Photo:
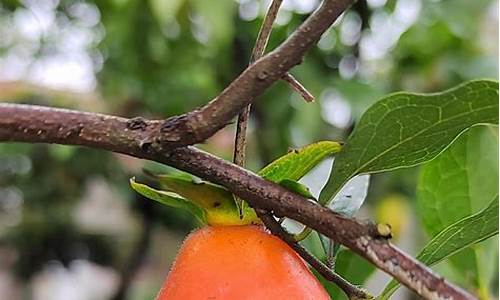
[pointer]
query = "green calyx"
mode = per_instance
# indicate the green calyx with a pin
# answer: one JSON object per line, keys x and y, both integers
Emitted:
{"x": 209, "y": 203}
{"x": 214, "y": 205}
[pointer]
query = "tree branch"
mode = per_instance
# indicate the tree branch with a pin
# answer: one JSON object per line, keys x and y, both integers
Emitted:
{"x": 298, "y": 87}
{"x": 35, "y": 124}
{"x": 265, "y": 31}
{"x": 196, "y": 126}
{"x": 257, "y": 52}
{"x": 240, "y": 139}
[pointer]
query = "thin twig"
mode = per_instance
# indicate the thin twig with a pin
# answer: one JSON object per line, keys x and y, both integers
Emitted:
{"x": 298, "y": 87}
{"x": 351, "y": 291}
{"x": 36, "y": 124}
{"x": 240, "y": 140}
{"x": 265, "y": 31}
{"x": 330, "y": 256}
{"x": 257, "y": 52}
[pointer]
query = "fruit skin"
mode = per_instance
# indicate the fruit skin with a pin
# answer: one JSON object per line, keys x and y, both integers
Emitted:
{"x": 239, "y": 262}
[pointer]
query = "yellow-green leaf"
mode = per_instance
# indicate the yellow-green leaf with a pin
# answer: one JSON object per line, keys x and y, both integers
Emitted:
{"x": 168, "y": 199}
{"x": 298, "y": 162}
{"x": 217, "y": 202}
{"x": 297, "y": 188}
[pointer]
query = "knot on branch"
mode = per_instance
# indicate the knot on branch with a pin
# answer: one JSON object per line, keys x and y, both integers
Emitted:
{"x": 175, "y": 132}
{"x": 137, "y": 123}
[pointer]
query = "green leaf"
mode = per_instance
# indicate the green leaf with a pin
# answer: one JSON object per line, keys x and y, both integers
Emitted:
{"x": 289, "y": 168}
{"x": 406, "y": 129}
{"x": 216, "y": 203}
{"x": 298, "y": 162}
{"x": 454, "y": 238}
{"x": 461, "y": 181}
{"x": 297, "y": 188}
{"x": 202, "y": 193}
{"x": 458, "y": 183}
{"x": 353, "y": 267}
{"x": 169, "y": 199}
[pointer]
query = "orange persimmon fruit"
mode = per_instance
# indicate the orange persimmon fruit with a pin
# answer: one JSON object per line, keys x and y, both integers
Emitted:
{"x": 239, "y": 262}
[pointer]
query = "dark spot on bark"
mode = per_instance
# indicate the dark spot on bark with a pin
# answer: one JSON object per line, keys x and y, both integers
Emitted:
{"x": 173, "y": 123}
{"x": 216, "y": 204}
{"x": 145, "y": 145}
{"x": 394, "y": 261}
{"x": 412, "y": 275}
{"x": 74, "y": 131}
{"x": 175, "y": 129}
{"x": 137, "y": 123}
{"x": 262, "y": 75}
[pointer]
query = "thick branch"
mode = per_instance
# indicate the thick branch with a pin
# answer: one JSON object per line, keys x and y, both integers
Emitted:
{"x": 35, "y": 124}
{"x": 200, "y": 124}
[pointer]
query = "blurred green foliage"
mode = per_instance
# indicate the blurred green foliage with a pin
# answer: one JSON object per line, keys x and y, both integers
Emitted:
{"x": 160, "y": 58}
